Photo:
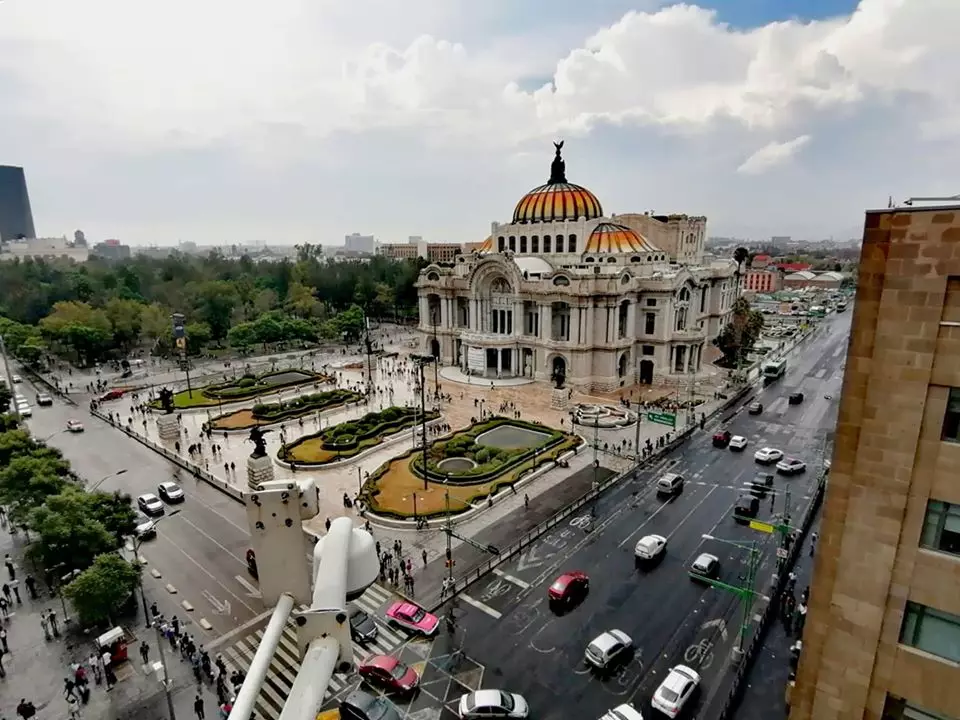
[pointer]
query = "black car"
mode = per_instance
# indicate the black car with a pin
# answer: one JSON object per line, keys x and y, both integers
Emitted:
{"x": 755, "y": 408}
{"x": 362, "y": 627}
{"x": 795, "y": 398}
{"x": 360, "y": 705}
{"x": 761, "y": 484}
{"x": 747, "y": 507}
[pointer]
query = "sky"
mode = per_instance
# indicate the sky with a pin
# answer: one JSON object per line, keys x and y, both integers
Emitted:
{"x": 295, "y": 121}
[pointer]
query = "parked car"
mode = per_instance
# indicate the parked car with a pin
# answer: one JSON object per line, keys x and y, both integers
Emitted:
{"x": 360, "y": 705}
{"x": 676, "y": 690}
{"x": 608, "y": 648}
{"x": 150, "y": 504}
{"x": 669, "y": 484}
{"x": 388, "y": 673}
{"x": 721, "y": 439}
{"x": 362, "y": 627}
{"x": 795, "y": 398}
{"x": 492, "y": 704}
{"x": 738, "y": 443}
{"x": 768, "y": 455}
{"x": 761, "y": 484}
{"x": 413, "y": 618}
{"x": 569, "y": 588}
{"x": 171, "y": 492}
{"x": 747, "y": 506}
{"x": 44, "y": 400}
{"x": 650, "y": 547}
{"x": 791, "y": 466}
{"x": 755, "y": 408}
{"x": 74, "y": 426}
{"x": 705, "y": 566}
{"x": 623, "y": 712}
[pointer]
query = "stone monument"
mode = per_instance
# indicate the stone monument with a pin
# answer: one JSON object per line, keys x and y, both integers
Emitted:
{"x": 167, "y": 426}
{"x": 259, "y": 464}
{"x": 560, "y": 396}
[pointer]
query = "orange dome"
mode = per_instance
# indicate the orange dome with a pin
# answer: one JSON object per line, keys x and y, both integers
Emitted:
{"x": 612, "y": 238}
{"x": 557, "y": 202}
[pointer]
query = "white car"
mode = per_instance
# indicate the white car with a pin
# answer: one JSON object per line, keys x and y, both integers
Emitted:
{"x": 738, "y": 442}
{"x": 791, "y": 466}
{"x": 768, "y": 455}
{"x": 74, "y": 426}
{"x": 150, "y": 504}
{"x": 675, "y": 690}
{"x": 17, "y": 379}
{"x": 623, "y": 712}
{"x": 24, "y": 409}
{"x": 146, "y": 528}
{"x": 650, "y": 547}
{"x": 608, "y": 648}
{"x": 493, "y": 704}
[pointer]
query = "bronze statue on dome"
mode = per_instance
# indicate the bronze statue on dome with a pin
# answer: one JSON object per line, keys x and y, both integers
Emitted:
{"x": 558, "y": 170}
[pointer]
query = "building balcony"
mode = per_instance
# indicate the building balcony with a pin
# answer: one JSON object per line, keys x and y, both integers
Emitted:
{"x": 689, "y": 334}
{"x": 473, "y": 337}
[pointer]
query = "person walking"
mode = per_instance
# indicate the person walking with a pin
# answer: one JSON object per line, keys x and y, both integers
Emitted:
{"x": 31, "y": 586}
{"x": 45, "y": 624}
{"x": 198, "y": 707}
{"x": 424, "y": 556}
{"x": 144, "y": 651}
{"x": 3, "y": 640}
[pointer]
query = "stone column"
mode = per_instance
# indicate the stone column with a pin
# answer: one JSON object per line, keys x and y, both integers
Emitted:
{"x": 167, "y": 427}
{"x": 259, "y": 470}
{"x": 591, "y": 311}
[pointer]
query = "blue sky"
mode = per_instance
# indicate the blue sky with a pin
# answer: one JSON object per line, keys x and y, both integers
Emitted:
{"x": 305, "y": 120}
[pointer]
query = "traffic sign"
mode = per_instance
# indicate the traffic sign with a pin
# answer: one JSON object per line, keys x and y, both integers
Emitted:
{"x": 663, "y": 418}
{"x": 782, "y": 553}
{"x": 761, "y": 526}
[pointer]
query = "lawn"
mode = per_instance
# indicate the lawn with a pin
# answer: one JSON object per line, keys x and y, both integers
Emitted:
{"x": 297, "y": 407}
{"x": 244, "y": 388}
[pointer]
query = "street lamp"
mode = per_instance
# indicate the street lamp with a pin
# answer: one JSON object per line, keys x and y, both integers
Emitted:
{"x": 102, "y": 480}
{"x": 746, "y": 593}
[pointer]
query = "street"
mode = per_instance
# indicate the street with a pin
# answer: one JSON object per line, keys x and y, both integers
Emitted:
{"x": 505, "y": 621}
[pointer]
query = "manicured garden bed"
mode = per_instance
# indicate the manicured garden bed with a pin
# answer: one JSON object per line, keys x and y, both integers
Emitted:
{"x": 296, "y": 407}
{"x": 243, "y": 388}
{"x": 351, "y": 438}
{"x": 391, "y": 489}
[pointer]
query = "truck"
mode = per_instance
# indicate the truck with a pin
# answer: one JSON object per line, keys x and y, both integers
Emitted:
{"x": 774, "y": 369}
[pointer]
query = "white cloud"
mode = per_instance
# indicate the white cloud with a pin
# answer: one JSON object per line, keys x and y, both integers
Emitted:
{"x": 278, "y": 86}
{"x": 771, "y": 155}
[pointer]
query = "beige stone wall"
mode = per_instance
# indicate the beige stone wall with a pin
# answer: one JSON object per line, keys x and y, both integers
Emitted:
{"x": 888, "y": 462}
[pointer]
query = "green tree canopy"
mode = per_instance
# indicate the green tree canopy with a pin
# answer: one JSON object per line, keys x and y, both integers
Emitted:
{"x": 738, "y": 337}
{"x": 100, "y": 592}
{"x": 28, "y": 480}
{"x": 5, "y": 397}
{"x": 70, "y": 535}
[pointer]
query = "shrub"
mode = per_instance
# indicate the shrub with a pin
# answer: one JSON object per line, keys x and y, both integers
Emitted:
{"x": 482, "y": 456}
{"x": 246, "y": 382}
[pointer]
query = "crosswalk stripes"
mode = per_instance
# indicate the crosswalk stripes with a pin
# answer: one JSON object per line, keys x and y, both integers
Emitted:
{"x": 286, "y": 660}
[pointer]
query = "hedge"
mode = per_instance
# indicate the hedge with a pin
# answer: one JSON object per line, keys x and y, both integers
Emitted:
{"x": 243, "y": 388}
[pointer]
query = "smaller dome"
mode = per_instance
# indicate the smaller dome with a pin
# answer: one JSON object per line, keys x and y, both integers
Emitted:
{"x": 487, "y": 246}
{"x": 609, "y": 237}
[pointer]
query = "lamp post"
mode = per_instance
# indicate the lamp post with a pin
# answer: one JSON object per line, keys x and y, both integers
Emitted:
{"x": 746, "y": 593}
{"x": 137, "y": 542}
{"x": 415, "y": 518}
{"x": 102, "y": 480}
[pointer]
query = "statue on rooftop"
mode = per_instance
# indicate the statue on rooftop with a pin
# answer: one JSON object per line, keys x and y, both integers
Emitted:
{"x": 558, "y": 170}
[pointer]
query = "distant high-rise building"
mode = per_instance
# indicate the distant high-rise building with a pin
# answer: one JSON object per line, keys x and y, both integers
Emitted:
{"x": 355, "y": 242}
{"x": 16, "y": 218}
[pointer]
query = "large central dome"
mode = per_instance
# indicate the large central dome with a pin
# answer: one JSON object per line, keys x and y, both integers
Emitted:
{"x": 558, "y": 200}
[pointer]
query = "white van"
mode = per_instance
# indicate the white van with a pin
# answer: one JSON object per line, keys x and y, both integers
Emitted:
{"x": 669, "y": 484}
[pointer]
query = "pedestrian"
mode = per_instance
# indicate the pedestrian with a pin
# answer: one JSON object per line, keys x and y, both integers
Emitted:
{"x": 4, "y": 607}
{"x": 6, "y": 592}
{"x": 198, "y": 707}
{"x": 327, "y": 524}
{"x": 409, "y": 566}
{"x": 3, "y": 640}
{"x": 54, "y": 627}
{"x": 94, "y": 664}
{"x": 11, "y": 566}
{"x": 424, "y": 555}
{"x": 110, "y": 677}
{"x": 31, "y": 586}
{"x": 45, "y": 624}
{"x": 68, "y": 688}
{"x": 25, "y": 709}
{"x": 144, "y": 651}
{"x": 15, "y": 586}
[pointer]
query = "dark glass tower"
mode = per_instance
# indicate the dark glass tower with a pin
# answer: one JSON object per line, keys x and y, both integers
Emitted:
{"x": 16, "y": 219}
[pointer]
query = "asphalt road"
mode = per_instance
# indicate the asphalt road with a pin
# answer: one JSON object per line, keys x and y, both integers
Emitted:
{"x": 199, "y": 551}
{"x": 506, "y": 624}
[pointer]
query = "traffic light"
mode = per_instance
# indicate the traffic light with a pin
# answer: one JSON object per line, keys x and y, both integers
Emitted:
{"x": 449, "y": 561}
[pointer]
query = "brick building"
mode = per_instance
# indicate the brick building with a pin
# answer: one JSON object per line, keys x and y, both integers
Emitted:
{"x": 766, "y": 280}
{"x": 882, "y": 637}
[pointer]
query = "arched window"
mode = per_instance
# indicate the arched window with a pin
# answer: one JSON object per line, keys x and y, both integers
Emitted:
{"x": 611, "y": 259}
{"x": 523, "y": 243}
{"x": 589, "y": 259}
{"x": 546, "y": 243}
{"x": 501, "y": 244}
{"x": 535, "y": 244}
{"x": 625, "y": 278}
{"x": 684, "y": 295}
{"x": 513, "y": 243}
{"x": 681, "y": 319}
{"x": 559, "y": 243}
{"x": 635, "y": 258}
{"x": 433, "y": 277}
{"x": 572, "y": 244}
{"x": 561, "y": 280}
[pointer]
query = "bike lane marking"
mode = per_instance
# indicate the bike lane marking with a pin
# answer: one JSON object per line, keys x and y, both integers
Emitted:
{"x": 483, "y": 607}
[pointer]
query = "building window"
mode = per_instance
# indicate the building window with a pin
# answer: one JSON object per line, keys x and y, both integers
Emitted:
{"x": 535, "y": 244}
{"x": 523, "y": 243}
{"x": 636, "y": 258}
{"x": 951, "y": 420}
{"x": 513, "y": 244}
{"x": 559, "y": 243}
{"x": 647, "y": 350}
{"x": 546, "y": 243}
{"x": 703, "y": 299}
{"x": 572, "y": 243}
{"x": 932, "y": 631}
{"x": 501, "y": 243}
{"x": 649, "y": 323}
{"x": 651, "y": 302}
{"x": 941, "y": 527}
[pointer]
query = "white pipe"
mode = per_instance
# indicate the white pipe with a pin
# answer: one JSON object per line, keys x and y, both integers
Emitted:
{"x": 331, "y": 559}
{"x": 310, "y": 687}
{"x": 247, "y": 697}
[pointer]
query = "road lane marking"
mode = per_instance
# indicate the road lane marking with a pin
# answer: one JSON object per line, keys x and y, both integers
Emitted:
{"x": 481, "y": 606}
{"x": 213, "y": 540}
{"x": 251, "y": 590}
{"x": 692, "y": 511}
{"x": 510, "y": 578}
{"x": 643, "y": 524}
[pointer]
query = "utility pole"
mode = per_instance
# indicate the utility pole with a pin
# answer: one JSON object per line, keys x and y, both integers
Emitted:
{"x": 436, "y": 365}
{"x": 636, "y": 440}
{"x": 14, "y": 408}
{"x": 596, "y": 451}
{"x": 449, "y": 531}
{"x": 369, "y": 348}
{"x": 421, "y": 360}
{"x": 747, "y": 593}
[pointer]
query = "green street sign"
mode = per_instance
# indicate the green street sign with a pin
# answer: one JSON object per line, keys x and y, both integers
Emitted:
{"x": 663, "y": 418}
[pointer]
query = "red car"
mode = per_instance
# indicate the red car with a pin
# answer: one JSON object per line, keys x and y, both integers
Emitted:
{"x": 112, "y": 395}
{"x": 569, "y": 587}
{"x": 385, "y": 671}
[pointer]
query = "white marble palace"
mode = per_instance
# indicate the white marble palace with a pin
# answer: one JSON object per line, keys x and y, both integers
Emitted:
{"x": 562, "y": 289}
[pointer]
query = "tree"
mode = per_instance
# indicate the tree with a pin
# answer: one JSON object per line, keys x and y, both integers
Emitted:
{"x": 100, "y": 592}
{"x": 738, "y": 337}
{"x": 155, "y": 322}
{"x": 70, "y": 535}
{"x": 740, "y": 255}
{"x": 198, "y": 335}
{"x": 217, "y": 298}
{"x": 31, "y": 351}
{"x": 80, "y": 327}
{"x": 28, "y": 480}
{"x": 5, "y": 397}
{"x": 301, "y": 301}
{"x": 126, "y": 321}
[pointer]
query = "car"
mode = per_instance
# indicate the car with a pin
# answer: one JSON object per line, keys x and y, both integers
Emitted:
{"x": 413, "y": 618}
{"x": 755, "y": 408}
{"x": 738, "y": 443}
{"x": 795, "y": 398}
{"x": 791, "y": 466}
{"x": 112, "y": 395}
{"x": 387, "y": 672}
{"x": 171, "y": 492}
{"x": 676, "y": 689}
{"x": 705, "y": 566}
{"x": 24, "y": 409}
{"x": 74, "y": 426}
{"x": 492, "y": 704}
{"x": 17, "y": 379}
{"x": 623, "y": 712}
{"x": 150, "y": 504}
{"x": 722, "y": 439}
{"x": 360, "y": 705}
{"x": 669, "y": 484}
{"x": 747, "y": 506}
{"x": 146, "y": 528}
{"x": 44, "y": 400}
{"x": 767, "y": 455}
{"x": 362, "y": 627}
{"x": 570, "y": 587}
{"x": 650, "y": 547}
{"x": 761, "y": 484}
{"x": 608, "y": 648}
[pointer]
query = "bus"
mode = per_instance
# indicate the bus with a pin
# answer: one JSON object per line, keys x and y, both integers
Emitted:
{"x": 841, "y": 307}
{"x": 774, "y": 369}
